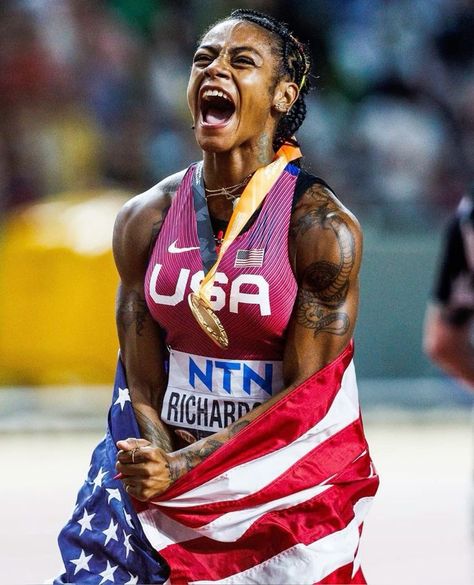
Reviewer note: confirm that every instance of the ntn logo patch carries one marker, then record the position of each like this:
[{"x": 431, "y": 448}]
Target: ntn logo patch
[
  {"x": 224, "y": 373},
  {"x": 257, "y": 379}
]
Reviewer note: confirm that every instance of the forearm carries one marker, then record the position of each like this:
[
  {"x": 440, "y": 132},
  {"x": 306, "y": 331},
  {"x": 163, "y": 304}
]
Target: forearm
[
  {"x": 151, "y": 426},
  {"x": 189, "y": 457},
  {"x": 147, "y": 387},
  {"x": 142, "y": 353}
]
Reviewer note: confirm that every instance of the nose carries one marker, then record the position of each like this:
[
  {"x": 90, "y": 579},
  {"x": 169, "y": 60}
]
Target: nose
[{"x": 217, "y": 69}]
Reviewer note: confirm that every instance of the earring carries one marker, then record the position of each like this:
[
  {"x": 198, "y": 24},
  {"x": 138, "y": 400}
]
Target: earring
[{"x": 280, "y": 107}]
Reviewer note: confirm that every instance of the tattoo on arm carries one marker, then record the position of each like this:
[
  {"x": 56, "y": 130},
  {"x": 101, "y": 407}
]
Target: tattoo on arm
[
  {"x": 132, "y": 309},
  {"x": 192, "y": 456},
  {"x": 153, "y": 432},
  {"x": 196, "y": 453},
  {"x": 234, "y": 428},
  {"x": 325, "y": 284},
  {"x": 314, "y": 315}
]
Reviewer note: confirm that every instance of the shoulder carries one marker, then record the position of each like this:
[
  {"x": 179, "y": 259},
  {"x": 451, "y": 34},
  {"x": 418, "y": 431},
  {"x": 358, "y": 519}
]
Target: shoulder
[
  {"x": 139, "y": 222},
  {"x": 148, "y": 206},
  {"x": 322, "y": 228},
  {"x": 319, "y": 204}
]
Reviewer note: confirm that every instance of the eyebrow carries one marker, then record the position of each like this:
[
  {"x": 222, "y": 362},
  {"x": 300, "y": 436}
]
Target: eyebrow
[{"x": 233, "y": 50}]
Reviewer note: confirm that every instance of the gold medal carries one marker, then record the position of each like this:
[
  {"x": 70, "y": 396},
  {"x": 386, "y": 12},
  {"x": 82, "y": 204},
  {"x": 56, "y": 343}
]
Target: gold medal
[{"x": 208, "y": 320}]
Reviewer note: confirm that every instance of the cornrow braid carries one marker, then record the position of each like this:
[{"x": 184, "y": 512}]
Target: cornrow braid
[{"x": 294, "y": 62}]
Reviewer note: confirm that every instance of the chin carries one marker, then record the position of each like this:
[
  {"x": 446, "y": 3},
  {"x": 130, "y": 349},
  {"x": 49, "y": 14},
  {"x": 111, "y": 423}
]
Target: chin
[{"x": 216, "y": 144}]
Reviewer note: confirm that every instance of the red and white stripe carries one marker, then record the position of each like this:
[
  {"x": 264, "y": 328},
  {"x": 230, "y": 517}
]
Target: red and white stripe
[{"x": 282, "y": 502}]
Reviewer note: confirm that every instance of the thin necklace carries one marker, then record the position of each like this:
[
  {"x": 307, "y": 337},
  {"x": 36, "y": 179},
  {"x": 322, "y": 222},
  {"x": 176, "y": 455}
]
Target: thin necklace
[{"x": 228, "y": 192}]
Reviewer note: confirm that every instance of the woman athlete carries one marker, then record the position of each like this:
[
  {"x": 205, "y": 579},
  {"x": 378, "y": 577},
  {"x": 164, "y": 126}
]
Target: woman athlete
[
  {"x": 236, "y": 309},
  {"x": 262, "y": 72}
]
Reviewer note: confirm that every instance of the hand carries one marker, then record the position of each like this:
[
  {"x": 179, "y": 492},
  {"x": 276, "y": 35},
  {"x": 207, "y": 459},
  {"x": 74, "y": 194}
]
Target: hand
[{"x": 145, "y": 469}]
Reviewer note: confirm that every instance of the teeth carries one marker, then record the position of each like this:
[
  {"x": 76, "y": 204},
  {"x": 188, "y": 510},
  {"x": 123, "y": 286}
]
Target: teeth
[{"x": 215, "y": 93}]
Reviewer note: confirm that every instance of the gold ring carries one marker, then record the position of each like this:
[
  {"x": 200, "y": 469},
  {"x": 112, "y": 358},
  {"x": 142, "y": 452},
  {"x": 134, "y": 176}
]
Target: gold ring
[
  {"x": 127, "y": 487},
  {"x": 133, "y": 453}
]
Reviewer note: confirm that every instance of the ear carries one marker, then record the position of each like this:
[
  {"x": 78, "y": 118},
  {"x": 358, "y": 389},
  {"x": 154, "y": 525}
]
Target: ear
[{"x": 286, "y": 94}]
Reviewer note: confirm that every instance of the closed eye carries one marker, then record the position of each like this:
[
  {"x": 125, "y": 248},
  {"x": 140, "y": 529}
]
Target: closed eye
[
  {"x": 244, "y": 60},
  {"x": 202, "y": 58}
]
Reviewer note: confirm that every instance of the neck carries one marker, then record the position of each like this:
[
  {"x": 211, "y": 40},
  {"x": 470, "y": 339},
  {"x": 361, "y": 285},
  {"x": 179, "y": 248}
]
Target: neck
[{"x": 224, "y": 169}]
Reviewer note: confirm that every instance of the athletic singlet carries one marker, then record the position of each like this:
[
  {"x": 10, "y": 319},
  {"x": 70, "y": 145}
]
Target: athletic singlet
[{"x": 253, "y": 295}]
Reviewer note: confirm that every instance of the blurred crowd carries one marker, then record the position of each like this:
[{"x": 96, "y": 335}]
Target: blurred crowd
[{"x": 93, "y": 93}]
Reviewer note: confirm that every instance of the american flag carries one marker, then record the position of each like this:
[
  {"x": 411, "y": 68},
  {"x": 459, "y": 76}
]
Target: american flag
[
  {"x": 104, "y": 542},
  {"x": 249, "y": 257},
  {"x": 282, "y": 502}
]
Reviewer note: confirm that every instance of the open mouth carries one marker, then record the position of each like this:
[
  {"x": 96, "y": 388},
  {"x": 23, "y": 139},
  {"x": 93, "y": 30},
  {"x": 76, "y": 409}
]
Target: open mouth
[{"x": 217, "y": 107}]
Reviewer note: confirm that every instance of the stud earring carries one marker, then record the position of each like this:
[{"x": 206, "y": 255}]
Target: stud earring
[{"x": 280, "y": 107}]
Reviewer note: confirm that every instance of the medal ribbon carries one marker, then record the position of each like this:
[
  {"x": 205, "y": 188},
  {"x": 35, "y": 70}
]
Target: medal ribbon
[
  {"x": 254, "y": 193},
  {"x": 205, "y": 232}
]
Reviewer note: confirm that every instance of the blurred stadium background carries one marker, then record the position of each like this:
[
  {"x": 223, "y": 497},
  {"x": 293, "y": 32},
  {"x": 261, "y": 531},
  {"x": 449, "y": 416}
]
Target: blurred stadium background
[{"x": 93, "y": 110}]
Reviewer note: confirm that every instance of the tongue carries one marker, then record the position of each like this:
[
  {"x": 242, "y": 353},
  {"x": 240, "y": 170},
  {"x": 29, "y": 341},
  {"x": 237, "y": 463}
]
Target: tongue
[{"x": 216, "y": 116}]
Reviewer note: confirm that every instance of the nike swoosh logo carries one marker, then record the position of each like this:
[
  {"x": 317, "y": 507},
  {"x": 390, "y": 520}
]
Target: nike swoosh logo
[{"x": 172, "y": 249}]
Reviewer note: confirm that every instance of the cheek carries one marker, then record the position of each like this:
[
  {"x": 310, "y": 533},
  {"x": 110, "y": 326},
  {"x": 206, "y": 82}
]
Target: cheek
[
  {"x": 257, "y": 108},
  {"x": 256, "y": 92}
]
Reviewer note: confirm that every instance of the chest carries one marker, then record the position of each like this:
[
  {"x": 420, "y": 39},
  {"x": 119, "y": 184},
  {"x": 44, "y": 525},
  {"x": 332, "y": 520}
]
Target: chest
[{"x": 253, "y": 289}]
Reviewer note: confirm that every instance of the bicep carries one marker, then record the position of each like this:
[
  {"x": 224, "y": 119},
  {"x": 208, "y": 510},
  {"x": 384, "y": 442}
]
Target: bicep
[
  {"x": 140, "y": 337},
  {"x": 317, "y": 334},
  {"x": 326, "y": 305}
]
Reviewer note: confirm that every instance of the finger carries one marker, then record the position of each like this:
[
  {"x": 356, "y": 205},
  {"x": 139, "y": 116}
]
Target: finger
[
  {"x": 136, "y": 455},
  {"x": 132, "y": 443},
  {"x": 129, "y": 470},
  {"x": 129, "y": 457},
  {"x": 135, "y": 491}
]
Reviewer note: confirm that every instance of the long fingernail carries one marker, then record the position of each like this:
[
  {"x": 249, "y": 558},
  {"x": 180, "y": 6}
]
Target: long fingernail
[{"x": 118, "y": 476}]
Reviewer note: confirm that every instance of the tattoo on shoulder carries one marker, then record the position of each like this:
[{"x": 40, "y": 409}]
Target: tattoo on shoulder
[
  {"x": 322, "y": 207},
  {"x": 132, "y": 310},
  {"x": 325, "y": 284}
]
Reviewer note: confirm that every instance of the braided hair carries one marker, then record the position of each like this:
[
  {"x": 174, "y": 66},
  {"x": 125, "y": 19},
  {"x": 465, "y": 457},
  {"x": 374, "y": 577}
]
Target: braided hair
[{"x": 295, "y": 62}]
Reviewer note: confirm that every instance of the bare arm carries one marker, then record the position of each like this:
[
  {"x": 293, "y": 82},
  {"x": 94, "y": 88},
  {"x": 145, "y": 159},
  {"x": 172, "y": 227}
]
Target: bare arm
[
  {"x": 449, "y": 345},
  {"x": 140, "y": 338},
  {"x": 326, "y": 247}
]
